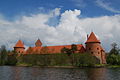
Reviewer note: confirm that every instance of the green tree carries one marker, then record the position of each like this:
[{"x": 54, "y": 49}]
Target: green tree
[
  {"x": 113, "y": 59},
  {"x": 3, "y": 55},
  {"x": 69, "y": 51},
  {"x": 64, "y": 50},
  {"x": 73, "y": 48},
  {"x": 113, "y": 56},
  {"x": 115, "y": 50},
  {"x": 11, "y": 60}
]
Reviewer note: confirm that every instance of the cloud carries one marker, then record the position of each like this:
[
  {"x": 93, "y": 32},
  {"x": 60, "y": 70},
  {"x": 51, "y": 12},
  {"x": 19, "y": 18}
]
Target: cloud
[
  {"x": 107, "y": 6},
  {"x": 79, "y": 3},
  {"x": 70, "y": 29}
]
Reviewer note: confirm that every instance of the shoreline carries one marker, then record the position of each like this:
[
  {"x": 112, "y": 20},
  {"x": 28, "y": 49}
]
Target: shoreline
[
  {"x": 66, "y": 67},
  {"x": 95, "y": 66}
]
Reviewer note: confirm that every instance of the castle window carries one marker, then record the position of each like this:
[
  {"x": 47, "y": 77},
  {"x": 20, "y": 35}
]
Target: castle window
[
  {"x": 97, "y": 48},
  {"x": 89, "y": 48},
  {"x": 91, "y": 52},
  {"x": 98, "y": 52}
]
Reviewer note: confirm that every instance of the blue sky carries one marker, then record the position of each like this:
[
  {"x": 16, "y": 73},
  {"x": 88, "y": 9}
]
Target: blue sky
[
  {"x": 59, "y": 22},
  {"x": 89, "y": 8}
]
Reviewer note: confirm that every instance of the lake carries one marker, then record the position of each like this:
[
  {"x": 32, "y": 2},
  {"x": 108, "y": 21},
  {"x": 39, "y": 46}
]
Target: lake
[{"x": 36, "y": 73}]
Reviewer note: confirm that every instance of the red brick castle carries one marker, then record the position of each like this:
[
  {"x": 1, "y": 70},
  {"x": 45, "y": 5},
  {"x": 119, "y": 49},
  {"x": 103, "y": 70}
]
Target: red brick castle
[{"x": 92, "y": 46}]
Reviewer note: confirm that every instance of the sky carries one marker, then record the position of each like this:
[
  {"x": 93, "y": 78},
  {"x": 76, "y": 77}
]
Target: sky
[{"x": 59, "y": 22}]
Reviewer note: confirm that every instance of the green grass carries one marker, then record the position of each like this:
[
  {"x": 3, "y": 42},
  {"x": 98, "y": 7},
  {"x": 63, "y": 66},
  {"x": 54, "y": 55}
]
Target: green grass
[
  {"x": 23, "y": 64},
  {"x": 112, "y": 66}
]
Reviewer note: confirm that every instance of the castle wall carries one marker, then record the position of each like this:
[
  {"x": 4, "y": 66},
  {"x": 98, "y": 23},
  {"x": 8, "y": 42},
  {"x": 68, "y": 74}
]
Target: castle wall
[{"x": 103, "y": 56}]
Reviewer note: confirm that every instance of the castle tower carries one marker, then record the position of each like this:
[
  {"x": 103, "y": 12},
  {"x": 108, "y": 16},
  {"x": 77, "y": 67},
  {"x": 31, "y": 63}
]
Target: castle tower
[
  {"x": 19, "y": 47},
  {"x": 93, "y": 46},
  {"x": 38, "y": 43}
]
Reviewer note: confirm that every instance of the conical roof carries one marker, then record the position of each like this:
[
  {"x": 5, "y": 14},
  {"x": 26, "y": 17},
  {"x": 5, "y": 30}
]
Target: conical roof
[
  {"x": 19, "y": 44},
  {"x": 92, "y": 38},
  {"x": 38, "y": 43}
]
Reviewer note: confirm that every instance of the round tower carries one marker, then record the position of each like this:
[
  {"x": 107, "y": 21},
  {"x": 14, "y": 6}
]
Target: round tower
[
  {"x": 93, "y": 46},
  {"x": 19, "y": 47}
]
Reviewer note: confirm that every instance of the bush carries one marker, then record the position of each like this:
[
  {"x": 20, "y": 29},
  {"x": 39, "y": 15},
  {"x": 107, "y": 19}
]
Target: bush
[
  {"x": 11, "y": 60},
  {"x": 113, "y": 56},
  {"x": 113, "y": 59},
  {"x": 3, "y": 55}
]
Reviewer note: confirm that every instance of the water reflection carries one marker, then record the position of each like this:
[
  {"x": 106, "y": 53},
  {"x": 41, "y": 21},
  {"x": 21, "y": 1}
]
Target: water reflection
[
  {"x": 30, "y": 73},
  {"x": 95, "y": 74}
]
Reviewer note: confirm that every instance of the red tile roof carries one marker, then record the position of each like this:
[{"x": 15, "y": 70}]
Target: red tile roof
[
  {"x": 92, "y": 38},
  {"x": 32, "y": 50},
  {"x": 19, "y": 44},
  {"x": 38, "y": 43},
  {"x": 55, "y": 49}
]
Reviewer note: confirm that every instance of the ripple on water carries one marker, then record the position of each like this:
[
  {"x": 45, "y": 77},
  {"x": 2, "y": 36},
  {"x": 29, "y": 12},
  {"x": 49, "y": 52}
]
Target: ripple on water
[{"x": 32, "y": 73}]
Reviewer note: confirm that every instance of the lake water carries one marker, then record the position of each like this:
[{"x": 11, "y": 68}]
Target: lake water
[{"x": 33, "y": 73}]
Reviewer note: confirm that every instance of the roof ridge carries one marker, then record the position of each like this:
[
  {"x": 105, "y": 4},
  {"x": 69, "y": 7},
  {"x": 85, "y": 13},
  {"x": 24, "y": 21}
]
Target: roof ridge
[
  {"x": 38, "y": 43},
  {"x": 92, "y": 38},
  {"x": 19, "y": 44}
]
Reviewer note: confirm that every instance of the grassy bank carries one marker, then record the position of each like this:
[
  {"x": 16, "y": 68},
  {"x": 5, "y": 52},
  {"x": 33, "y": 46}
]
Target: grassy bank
[{"x": 68, "y": 66}]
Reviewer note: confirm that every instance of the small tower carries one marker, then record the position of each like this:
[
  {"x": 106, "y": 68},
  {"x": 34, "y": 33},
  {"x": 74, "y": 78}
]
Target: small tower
[
  {"x": 93, "y": 46},
  {"x": 38, "y": 43},
  {"x": 19, "y": 47}
]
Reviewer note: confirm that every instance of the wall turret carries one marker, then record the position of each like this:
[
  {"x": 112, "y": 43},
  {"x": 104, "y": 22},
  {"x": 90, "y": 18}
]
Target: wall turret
[
  {"x": 93, "y": 46},
  {"x": 19, "y": 47},
  {"x": 38, "y": 43}
]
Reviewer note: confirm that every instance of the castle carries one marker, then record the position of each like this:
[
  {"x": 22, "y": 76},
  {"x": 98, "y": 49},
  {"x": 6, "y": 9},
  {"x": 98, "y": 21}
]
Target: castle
[{"x": 92, "y": 46}]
